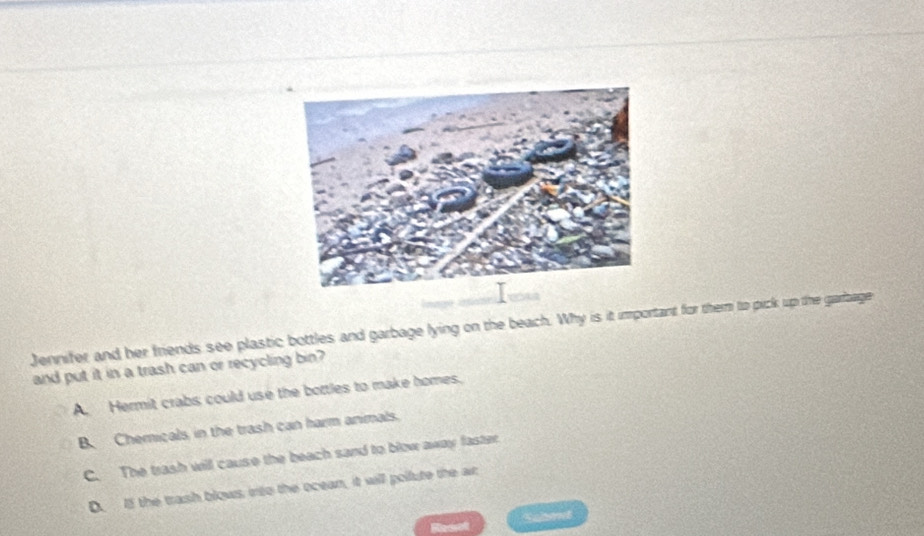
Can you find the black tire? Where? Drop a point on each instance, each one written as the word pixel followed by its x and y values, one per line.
pixel 553 150
pixel 454 198
pixel 507 175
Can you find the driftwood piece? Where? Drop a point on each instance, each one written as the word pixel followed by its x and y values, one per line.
pixel 319 162
pixel 472 127
pixel 477 231
pixel 620 200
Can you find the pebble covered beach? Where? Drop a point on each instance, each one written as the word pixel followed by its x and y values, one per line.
pixel 378 219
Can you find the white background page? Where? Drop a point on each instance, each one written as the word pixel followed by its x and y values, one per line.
pixel 155 188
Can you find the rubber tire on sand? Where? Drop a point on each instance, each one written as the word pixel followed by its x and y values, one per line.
pixel 507 175
pixel 553 150
pixel 453 198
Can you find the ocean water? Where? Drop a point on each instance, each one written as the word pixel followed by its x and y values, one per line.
pixel 336 125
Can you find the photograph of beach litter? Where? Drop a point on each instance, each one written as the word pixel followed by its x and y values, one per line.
pixel 411 189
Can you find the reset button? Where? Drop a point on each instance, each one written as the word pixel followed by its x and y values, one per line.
pixel 455 524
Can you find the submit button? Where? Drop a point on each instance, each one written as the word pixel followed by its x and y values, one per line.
pixel 547 516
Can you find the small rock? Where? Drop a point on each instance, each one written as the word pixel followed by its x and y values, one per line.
pixel 620 214
pixel 404 154
pixel 603 251
pixel 582 261
pixel 405 174
pixel 555 256
pixel 551 235
pixel 568 225
pixel 557 214
pixel 384 277
pixel 394 187
pixel 586 197
pixel 329 266
pixel 621 237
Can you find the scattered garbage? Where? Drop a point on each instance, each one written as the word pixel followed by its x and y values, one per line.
pixel 468 213
pixel 552 150
pixel 508 174
pixel 454 198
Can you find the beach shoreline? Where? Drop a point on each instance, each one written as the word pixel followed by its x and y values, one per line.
pixel 418 204
pixel 483 130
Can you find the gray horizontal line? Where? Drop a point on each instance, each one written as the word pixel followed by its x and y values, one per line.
pixel 26 4
pixel 515 50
